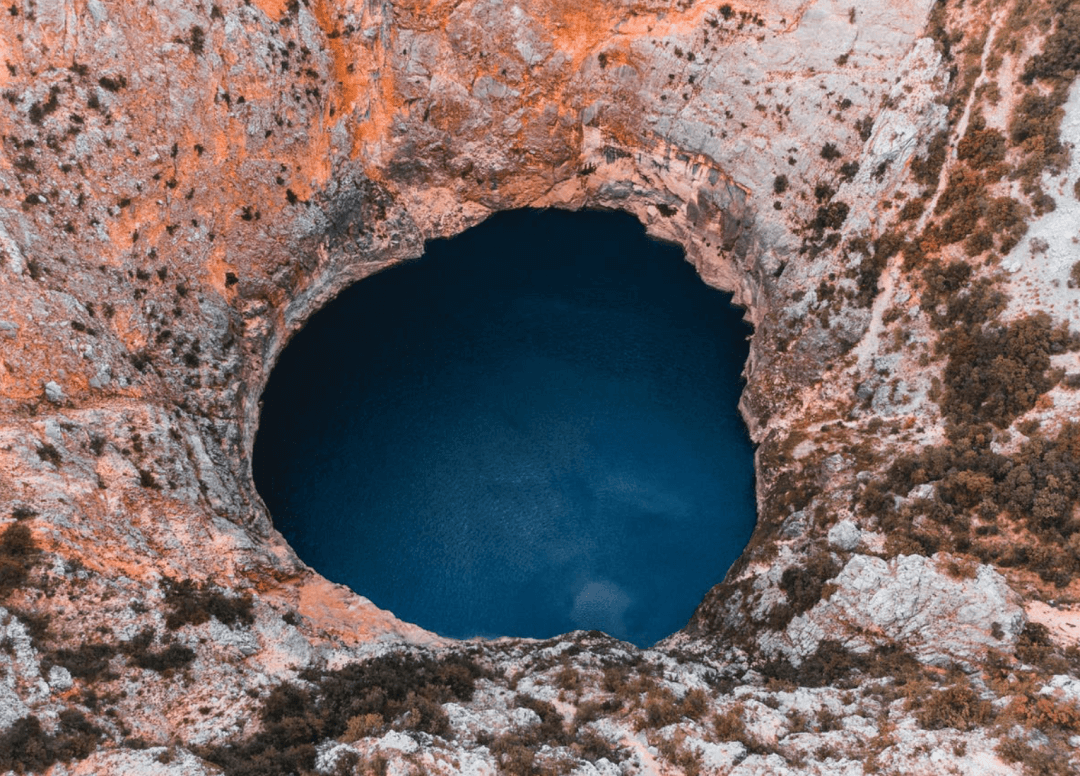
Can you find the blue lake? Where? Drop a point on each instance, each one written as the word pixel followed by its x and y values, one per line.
pixel 530 430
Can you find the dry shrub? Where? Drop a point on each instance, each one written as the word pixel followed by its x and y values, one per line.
pixel 141 654
pixel 590 711
pixel 626 686
pixel 89 661
pixel 1009 218
pixel 926 169
pixel 912 209
pixel 675 751
pixel 978 242
pixel 1061 51
pixel 515 752
pixel 966 489
pixel 1035 129
pixel 568 679
pixel 980 147
pixel 363 726
pixel 830 152
pixel 514 756
pixel 729 725
pixel 830 216
pixel 19 554
pixel 1034 645
pixel 1038 485
pixel 194 603
pixel 26 748
pixel 591 746
pixel 803 586
pixel 1041 761
pixel 962 568
pixel 551 729
pixel 957 706
pixel 661 708
pixel 401 690
pixel 1043 713
pixel 995 373
pixel 832 664
pixel 695 704
pixel 1074 273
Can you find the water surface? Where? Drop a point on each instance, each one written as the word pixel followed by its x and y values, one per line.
pixel 530 430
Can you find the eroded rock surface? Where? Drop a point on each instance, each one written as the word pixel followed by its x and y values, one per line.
pixel 885 187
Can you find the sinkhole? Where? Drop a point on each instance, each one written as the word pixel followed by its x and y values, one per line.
pixel 530 430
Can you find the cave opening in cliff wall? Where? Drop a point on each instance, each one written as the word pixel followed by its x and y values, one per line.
pixel 530 430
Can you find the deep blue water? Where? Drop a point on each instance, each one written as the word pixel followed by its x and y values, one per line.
pixel 530 430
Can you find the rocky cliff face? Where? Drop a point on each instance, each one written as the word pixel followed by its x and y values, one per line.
pixel 887 188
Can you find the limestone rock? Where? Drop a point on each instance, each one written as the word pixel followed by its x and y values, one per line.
pixel 53 392
pixel 845 536
pixel 912 601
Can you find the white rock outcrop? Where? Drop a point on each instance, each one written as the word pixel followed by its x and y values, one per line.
pixel 911 600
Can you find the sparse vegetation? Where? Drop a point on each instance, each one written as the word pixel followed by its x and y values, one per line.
pixel 1036 487
pixel 865 127
pixel 112 84
pixel 956 706
pixel 19 553
pixel 829 152
pixel 927 169
pixel 26 747
pixel 140 653
pixel 192 603
pixel 802 586
pixel 912 209
pixel 996 372
pixel 399 691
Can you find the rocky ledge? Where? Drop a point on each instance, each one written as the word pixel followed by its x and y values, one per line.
pixel 887 188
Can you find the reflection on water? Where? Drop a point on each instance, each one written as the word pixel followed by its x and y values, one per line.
pixel 531 430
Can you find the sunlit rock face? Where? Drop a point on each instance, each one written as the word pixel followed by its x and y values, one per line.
pixel 183 186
